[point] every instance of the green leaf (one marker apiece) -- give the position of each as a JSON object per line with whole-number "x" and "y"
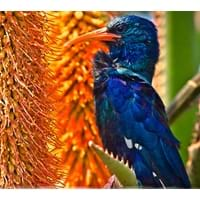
{"x": 124, "y": 174}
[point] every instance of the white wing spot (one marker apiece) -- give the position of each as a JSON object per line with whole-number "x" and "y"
{"x": 154, "y": 174}
{"x": 137, "y": 146}
{"x": 128, "y": 142}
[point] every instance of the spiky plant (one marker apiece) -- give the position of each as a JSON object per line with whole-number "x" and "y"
{"x": 26, "y": 126}
{"x": 73, "y": 88}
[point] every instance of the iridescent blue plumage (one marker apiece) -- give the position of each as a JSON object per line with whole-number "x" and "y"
{"x": 130, "y": 115}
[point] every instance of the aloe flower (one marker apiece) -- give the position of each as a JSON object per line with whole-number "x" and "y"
{"x": 73, "y": 87}
{"x": 26, "y": 124}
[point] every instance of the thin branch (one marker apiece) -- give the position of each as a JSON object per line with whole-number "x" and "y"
{"x": 184, "y": 98}
{"x": 193, "y": 163}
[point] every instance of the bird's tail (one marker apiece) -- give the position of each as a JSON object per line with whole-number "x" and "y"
{"x": 165, "y": 171}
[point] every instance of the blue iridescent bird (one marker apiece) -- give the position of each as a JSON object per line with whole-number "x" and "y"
{"x": 130, "y": 115}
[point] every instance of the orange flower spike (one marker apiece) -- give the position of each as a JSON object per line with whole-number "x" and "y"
{"x": 25, "y": 120}
{"x": 75, "y": 116}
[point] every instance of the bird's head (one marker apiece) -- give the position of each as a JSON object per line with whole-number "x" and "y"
{"x": 132, "y": 42}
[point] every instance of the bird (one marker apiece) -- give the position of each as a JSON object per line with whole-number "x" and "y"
{"x": 130, "y": 115}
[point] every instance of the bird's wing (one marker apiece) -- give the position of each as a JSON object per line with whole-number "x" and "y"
{"x": 143, "y": 120}
{"x": 138, "y": 104}
{"x": 154, "y": 116}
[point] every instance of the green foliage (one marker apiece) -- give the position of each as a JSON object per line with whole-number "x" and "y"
{"x": 181, "y": 66}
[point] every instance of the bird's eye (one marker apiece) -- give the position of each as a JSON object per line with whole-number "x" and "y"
{"x": 120, "y": 28}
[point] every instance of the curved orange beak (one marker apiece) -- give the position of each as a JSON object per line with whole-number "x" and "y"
{"x": 99, "y": 34}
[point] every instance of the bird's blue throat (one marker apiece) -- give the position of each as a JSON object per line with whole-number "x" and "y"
{"x": 136, "y": 59}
